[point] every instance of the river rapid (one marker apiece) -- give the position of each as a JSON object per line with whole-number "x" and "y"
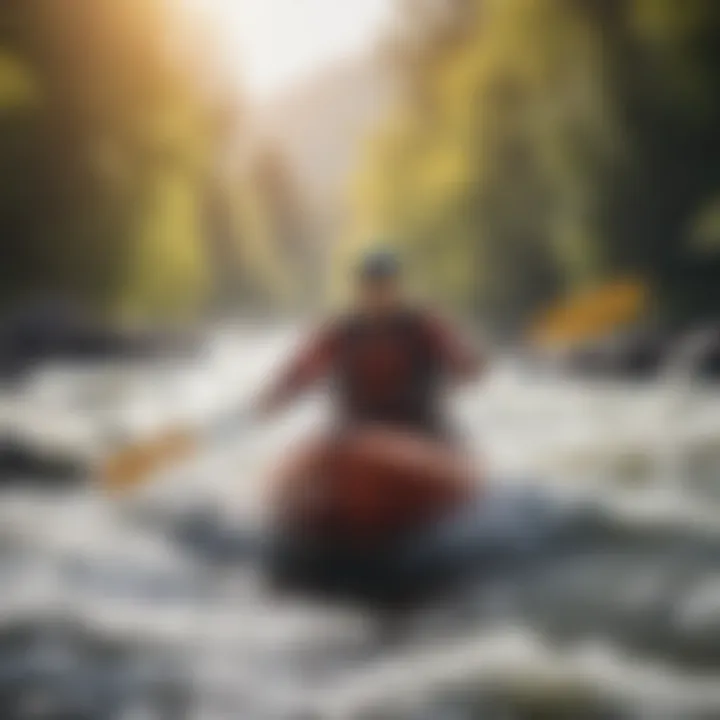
{"x": 107, "y": 613}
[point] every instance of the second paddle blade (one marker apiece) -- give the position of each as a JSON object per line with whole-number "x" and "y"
{"x": 133, "y": 466}
{"x": 593, "y": 314}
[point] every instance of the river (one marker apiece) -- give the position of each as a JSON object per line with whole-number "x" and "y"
{"x": 104, "y": 613}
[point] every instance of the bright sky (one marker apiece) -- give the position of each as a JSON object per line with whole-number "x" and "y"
{"x": 268, "y": 44}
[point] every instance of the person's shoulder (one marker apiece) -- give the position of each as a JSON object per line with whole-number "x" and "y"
{"x": 336, "y": 327}
{"x": 429, "y": 317}
{"x": 444, "y": 326}
{"x": 413, "y": 312}
{"x": 343, "y": 321}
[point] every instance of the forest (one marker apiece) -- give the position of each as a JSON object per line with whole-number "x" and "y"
{"x": 116, "y": 190}
{"x": 539, "y": 147}
{"x": 532, "y": 148}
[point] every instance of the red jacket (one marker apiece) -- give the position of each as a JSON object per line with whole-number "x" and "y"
{"x": 390, "y": 371}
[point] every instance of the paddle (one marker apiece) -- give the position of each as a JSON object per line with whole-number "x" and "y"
{"x": 132, "y": 466}
{"x": 591, "y": 315}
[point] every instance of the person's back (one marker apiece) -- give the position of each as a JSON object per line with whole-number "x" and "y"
{"x": 388, "y": 371}
{"x": 389, "y": 362}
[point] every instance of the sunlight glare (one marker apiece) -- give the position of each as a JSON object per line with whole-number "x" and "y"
{"x": 266, "y": 45}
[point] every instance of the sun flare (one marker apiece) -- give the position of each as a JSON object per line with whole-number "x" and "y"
{"x": 268, "y": 44}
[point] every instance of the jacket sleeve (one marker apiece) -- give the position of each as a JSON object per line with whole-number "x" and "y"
{"x": 308, "y": 365}
{"x": 457, "y": 354}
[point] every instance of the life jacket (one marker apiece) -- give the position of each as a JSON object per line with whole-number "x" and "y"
{"x": 388, "y": 372}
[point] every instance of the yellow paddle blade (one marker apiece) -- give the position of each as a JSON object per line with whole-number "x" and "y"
{"x": 133, "y": 466}
{"x": 593, "y": 314}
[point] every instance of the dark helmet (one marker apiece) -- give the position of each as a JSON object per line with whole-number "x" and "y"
{"x": 379, "y": 265}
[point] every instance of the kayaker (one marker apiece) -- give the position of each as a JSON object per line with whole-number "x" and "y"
{"x": 390, "y": 364}
{"x": 390, "y": 361}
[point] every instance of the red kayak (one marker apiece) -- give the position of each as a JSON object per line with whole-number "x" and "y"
{"x": 370, "y": 484}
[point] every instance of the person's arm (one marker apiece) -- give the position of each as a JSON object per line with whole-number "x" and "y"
{"x": 309, "y": 365}
{"x": 460, "y": 358}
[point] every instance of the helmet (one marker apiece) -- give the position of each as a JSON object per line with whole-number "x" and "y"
{"x": 379, "y": 265}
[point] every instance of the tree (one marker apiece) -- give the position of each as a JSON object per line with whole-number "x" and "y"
{"x": 111, "y": 190}
{"x": 544, "y": 145}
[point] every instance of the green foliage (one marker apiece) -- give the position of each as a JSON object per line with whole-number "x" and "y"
{"x": 544, "y": 145}
{"x": 109, "y": 151}
{"x": 18, "y": 90}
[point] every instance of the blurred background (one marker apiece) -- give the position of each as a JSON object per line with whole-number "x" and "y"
{"x": 183, "y": 186}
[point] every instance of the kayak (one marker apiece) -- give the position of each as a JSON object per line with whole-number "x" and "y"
{"x": 381, "y": 516}
{"x": 499, "y": 531}
{"x": 369, "y": 486}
